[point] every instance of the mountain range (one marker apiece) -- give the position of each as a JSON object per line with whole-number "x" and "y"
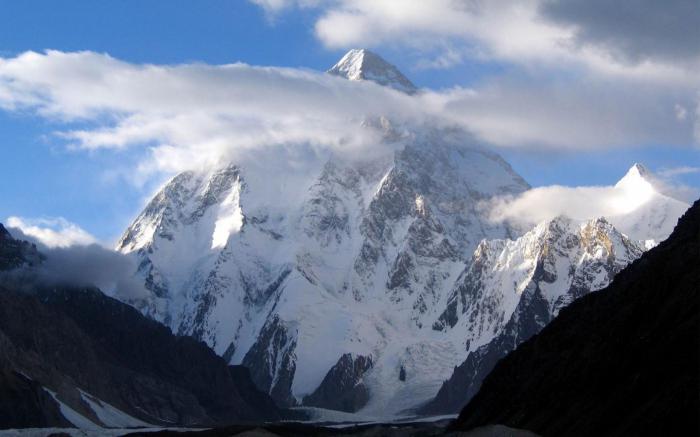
{"x": 620, "y": 361}
{"x": 381, "y": 282}
{"x": 74, "y": 357}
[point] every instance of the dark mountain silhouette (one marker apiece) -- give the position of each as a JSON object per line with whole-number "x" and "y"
{"x": 621, "y": 361}
{"x": 77, "y": 342}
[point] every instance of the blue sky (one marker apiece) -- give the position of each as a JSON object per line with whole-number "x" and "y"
{"x": 42, "y": 177}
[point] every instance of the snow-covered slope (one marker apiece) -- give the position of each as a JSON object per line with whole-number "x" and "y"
{"x": 653, "y": 213}
{"x": 362, "y": 275}
{"x": 361, "y": 64}
{"x": 512, "y": 289}
{"x": 569, "y": 258}
{"x": 361, "y": 265}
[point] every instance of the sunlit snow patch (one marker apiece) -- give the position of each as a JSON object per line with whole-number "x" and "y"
{"x": 230, "y": 219}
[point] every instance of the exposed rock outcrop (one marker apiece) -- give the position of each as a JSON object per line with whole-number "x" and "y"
{"x": 67, "y": 347}
{"x": 343, "y": 388}
{"x": 620, "y": 361}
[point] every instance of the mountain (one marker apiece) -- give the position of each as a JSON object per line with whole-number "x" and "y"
{"x": 71, "y": 356}
{"x": 621, "y": 361}
{"x": 16, "y": 253}
{"x": 357, "y": 260}
{"x": 656, "y": 217}
{"x": 512, "y": 289}
{"x": 348, "y": 285}
{"x": 359, "y": 265}
{"x": 361, "y": 64}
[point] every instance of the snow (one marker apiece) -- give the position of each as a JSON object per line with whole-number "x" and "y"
{"x": 110, "y": 416}
{"x": 361, "y": 64}
{"x": 636, "y": 189}
{"x": 73, "y": 416}
{"x": 329, "y": 305}
{"x": 224, "y": 252}
{"x": 229, "y": 220}
{"x": 650, "y": 213}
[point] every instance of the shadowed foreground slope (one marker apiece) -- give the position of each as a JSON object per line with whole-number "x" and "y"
{"x": 621, "y": 361}
{"x": 87, "y": 348}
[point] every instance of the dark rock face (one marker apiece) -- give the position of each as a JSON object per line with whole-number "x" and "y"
{"x": 252, "y": 396}
{"x": 274, "y": 346}
{"x": 621, "y": 361}
{"x": 533, "y": 311}
{"x": 530, "y": 316}
{"x": 67, "y": 339}
{"x": 15, "y": 253}
{"x": 342, "y": 388}
{"x": 24, "y": 403}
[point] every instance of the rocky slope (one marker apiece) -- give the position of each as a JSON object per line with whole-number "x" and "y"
{"x": 513, "y": 289}
{"x": 621, "y": 361}
{"x": 343, "y": 388}
{"x": 16, "y": 253}
{"x": 361, "y": 256}
{"x": 360, "y": 265}
{"x": 73, "y": 356}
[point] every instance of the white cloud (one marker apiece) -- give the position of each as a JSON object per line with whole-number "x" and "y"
{"x": 195, "y": 114}
{"x": 55, "y": 232}
{"x": 200, "y": 115}
{"x": 696, "y": 126}
{"x": 669, "y": 179}
{"x": 681, "y": 112}
{"x": 446, "y": 58}
{"x": 670, "y": 172}
{"x": 272, "y": 5}
{"x": 581, "y": 203}
{"x": 572, "y": 114}
{"x": 581, "y": 79}
{"x": 73, "y": 256}
{"x": 537, "y": 33}
{"x": 617, "y": 202}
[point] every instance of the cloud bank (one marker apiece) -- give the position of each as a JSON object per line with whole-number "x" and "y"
{"x": 652, "y": 198}
{"x": 628, "y": 38}
{"x": 110, "y": 271}
{"x": 73, "y": 257}
{"x": 55, "y": 232}
{"x": 580, "y": 203}
{"x": 587, "y": 73}
{"x": 189, "y": 115}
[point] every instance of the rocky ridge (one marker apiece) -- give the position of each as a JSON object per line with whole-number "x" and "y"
{"x": 378, "y": 258}
{"x": 71, "y": 356}
{"x": 620, "y": 361}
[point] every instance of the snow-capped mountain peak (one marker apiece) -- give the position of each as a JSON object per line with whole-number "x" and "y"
{"x": 361, "y": 64}
{"x": 361, "y": 283}
{"x": 638, "y": 177}
{"x": 637, "y": 186}
{"x": 649, "y": 210}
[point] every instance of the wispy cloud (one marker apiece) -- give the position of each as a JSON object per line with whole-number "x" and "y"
{"x": 54, "y": 232}
{"x": 670, "y": 172}
{"x": 74, "y": 257}
{"x": 623, "y": 38}
{"x": 632, "y": 205}
{"x": 192, "y": 115}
